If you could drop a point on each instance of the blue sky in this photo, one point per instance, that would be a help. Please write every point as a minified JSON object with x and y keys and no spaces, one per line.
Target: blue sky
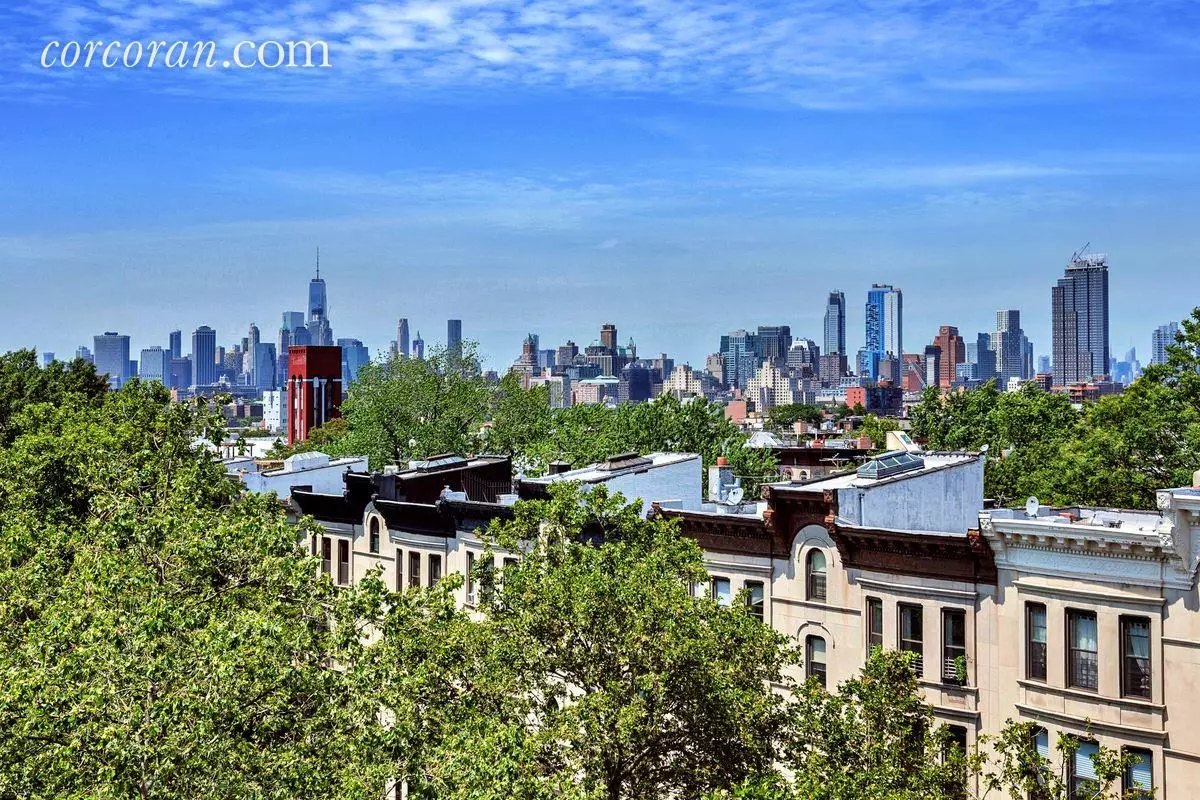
{"x":678,"y":167}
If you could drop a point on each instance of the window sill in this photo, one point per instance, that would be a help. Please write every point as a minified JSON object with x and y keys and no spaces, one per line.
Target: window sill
{"x":1091,"y":696}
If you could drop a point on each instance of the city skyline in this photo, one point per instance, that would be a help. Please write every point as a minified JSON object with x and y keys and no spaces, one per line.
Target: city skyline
{"x":635,"y":162}
{"x":500,"y":358}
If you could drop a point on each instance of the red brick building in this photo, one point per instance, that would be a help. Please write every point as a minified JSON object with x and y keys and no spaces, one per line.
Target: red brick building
{"x":314,"y":389}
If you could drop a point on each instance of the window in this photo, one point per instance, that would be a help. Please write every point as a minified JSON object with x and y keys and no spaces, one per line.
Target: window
{"x":957,"y":740}
{"x":470,"y":578}
{"x":1081,"y":643}
{"x":343,"y":562}
{"x":874,"y":624}
{"x":912,"y":635}
{"x":414,"y":569}
{"x":510,"y":562}
{"x":1135,"y":657}
{"x":1139,"y":778}
{"x":1035,"y":641}
{"x":399,"y":570}
{"x":1041,"y":745}
{"x":312,"y":545}
{"x":954,"y":646}
{"x":326,"y":555}
{"x":755,"y":600}
{"x":814,"y":658}
{"x":719,"y":591}
{"x":435,"y":569}
{"x":373,"y":538}
{"x":1083,"y":784}
{"x":816,"y":575}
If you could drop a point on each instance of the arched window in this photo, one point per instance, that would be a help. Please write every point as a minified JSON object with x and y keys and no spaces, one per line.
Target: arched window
{"x":373,"y":539}
{"x":815,"y":575}
{"x":814,"y":658}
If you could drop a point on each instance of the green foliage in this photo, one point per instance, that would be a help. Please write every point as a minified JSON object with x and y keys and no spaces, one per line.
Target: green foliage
{"x":786,"y":416}
{"x":1115,"y":452}
{"x":405,"y":408}
{"x":876,"y":429}
{"x":591,"y":671}
{"x":588,"y":433}
{"x":23,"y":383}
{"x":160,"y":635}
{"x":521,"y":418}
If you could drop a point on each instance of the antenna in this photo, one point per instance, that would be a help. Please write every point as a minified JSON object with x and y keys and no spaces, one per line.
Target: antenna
{"x":318,"y":262}
{"x":735,"y":495}
{"x":1032,"y":507}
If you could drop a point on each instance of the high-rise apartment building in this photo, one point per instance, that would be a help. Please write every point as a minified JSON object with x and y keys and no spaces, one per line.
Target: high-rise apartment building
{"x":952,"y":352}
{"x":740,"y":352}
{"x":1162,"y":338}
{"x":204,"y":356}
{"x":835,"y":324}
{"x":112,"y":357}
{"x":1079,"y":320}
{"x":1013,"y":351}
{"x":884,"y":328}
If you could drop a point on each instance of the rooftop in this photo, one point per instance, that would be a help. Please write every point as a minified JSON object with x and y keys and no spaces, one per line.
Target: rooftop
{"x":882,"y":469}
{"x":623,"y":464}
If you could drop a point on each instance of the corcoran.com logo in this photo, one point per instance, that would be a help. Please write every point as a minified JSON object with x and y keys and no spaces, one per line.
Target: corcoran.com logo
{"x":97,"y":54}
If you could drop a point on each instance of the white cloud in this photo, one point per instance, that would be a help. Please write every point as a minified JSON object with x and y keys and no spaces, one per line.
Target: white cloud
{"x":818,"y":53}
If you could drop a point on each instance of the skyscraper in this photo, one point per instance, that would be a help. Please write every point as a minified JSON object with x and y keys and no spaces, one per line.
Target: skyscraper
{"x":774,"y":342}
{"x":47,"y":359}
{"x":952,"y":353}
{"x":83,"y":352}
{"x":112,"y":357}
{"x":835,"y":324}
{"x":454,"y":337}
{"x":318,"y":310}
{"x":155,"y":365}
{"x":1079,"y":320}
{"x":402,"y":337}
{"x":1160,"y":340}
{"x":608,"y":336}
{"x":1010,"y":345}
{"x":175,"y":345}
{"x":982,"y":355}
{"x":253,"y":340}
{"x":204,"y":356}
{"x":418,"y":347}
{"x":740,"y":353}
{"x":884,"y":328}
{"x":354,"y":356}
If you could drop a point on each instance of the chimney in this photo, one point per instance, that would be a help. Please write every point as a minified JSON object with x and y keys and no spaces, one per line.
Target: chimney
{"x":719,"y":474}
{"x":559,"y":467}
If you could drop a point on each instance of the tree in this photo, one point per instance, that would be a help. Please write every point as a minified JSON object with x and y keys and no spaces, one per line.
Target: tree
{"x":588,"y":433}
{"x":405,"y":408}
{"x":591,"y":671}
{"x":1117,"y":451}
{"x":520,"y":417}
{"x":786,"y":416}
{"x":161,"y":635}
{"x":24,"y":383}
{"x":876,"y":429}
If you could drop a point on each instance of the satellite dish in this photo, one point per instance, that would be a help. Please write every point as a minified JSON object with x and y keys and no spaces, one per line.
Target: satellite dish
{"x":735,"y":495}
{"x":1032,"y":506}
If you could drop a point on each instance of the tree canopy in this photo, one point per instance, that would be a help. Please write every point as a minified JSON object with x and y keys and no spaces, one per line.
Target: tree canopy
{"x":1115,"y":451}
